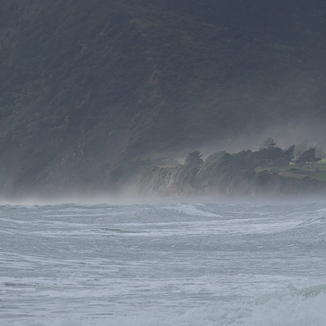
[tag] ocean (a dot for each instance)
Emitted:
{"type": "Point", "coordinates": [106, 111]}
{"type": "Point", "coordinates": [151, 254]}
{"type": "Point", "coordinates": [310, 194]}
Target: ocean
{"type": "Point", "coordinates": [165, 263]}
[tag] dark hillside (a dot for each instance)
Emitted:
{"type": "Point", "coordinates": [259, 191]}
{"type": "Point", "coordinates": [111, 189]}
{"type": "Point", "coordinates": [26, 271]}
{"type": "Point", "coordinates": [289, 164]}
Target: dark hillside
{"type": "Point", "coordinates": [89, 88]}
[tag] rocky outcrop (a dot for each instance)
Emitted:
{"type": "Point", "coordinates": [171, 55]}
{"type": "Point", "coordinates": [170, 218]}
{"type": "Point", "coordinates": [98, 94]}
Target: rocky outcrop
{"type": "Point", "coordinates": [215, 177]}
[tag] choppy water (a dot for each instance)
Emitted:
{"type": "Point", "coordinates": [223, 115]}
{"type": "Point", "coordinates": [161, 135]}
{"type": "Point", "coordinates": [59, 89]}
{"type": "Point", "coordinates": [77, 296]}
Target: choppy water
{"type": "Point", "coordinates": [164, 264]}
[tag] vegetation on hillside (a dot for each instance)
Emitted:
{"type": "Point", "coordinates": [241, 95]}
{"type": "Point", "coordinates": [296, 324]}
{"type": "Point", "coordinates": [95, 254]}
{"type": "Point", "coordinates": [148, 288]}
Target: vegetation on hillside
{"type": "Point", "coordinates": [89, 88]}
{"type": "Point", "coordinates": [269, 170]}
{"type": "Point", "coordinates": [226, 171]}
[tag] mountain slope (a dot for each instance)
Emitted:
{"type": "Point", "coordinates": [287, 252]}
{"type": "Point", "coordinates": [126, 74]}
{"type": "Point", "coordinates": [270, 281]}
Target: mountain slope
{"type": "Point", "coordinates": [90, 87]}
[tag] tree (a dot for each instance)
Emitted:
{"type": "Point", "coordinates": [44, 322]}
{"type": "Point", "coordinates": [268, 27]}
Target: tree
{"type": "Point", "coordinates": [194, 158]}
{"type": "Point", "coordinates": [268, 143]}
{"type": "Point", "coordinates": [308, 156]}
{"type": "Point", "coordinates": [274, 156]}
{"type": "Point", "coordinates": [288, 154]}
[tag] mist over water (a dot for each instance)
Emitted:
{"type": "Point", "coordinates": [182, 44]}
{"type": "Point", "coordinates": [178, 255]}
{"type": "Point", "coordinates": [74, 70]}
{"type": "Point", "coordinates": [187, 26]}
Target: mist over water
{"type": "Point", "coordinates": [191, 262]}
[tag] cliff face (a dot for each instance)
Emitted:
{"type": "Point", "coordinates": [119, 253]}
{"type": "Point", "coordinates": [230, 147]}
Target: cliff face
{"type": "Point", "coordinates": [205, 179]}
{"type": "Point", "coordinates": [164, 182]}
{"type": "Point", "coordinates": [90, 87]}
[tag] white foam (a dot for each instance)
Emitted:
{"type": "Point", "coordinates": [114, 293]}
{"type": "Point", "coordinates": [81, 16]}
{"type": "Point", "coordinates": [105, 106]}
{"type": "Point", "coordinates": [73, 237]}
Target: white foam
{"type": "Point", "coordinates": [162, 265]}
{"type": "Point", "coordinates": [193, 210]}
{"type": "Point", "coordinates": [290, 310]}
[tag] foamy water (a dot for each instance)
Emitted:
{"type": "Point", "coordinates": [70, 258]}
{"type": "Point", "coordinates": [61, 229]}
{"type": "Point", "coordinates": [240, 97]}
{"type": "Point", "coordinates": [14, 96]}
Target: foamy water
{"type": "Point", "coordinates": [163, 264]}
